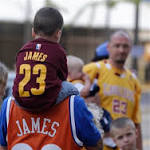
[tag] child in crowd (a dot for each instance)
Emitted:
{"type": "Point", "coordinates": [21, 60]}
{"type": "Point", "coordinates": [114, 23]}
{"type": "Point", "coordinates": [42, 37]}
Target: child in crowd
{"type": "Point", "coordinates": [75, 75]}
{"type": "Point", "coordinates": [3, 80]}
{"type": "Point", "coordinates": [41, 64]}
{"type": "Point", "coordinates": [87, 90]}
{"type": "Point", "coordinates": [124, 134]}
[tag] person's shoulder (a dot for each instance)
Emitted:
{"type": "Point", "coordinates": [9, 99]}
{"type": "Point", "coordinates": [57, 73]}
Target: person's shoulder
{"type": "Point", "coordinates": [58, 46]}
{"type": "Point", "coordinates": [79, 103]}
{"type": "Point", "coordinates": [102, 63]}
{"type": "Point", "coordinates": [55, 52]}
{"type": "Point", "coordinates": [27, 45]}
{"type": "Point", "coordinates": [132, 74]}
{"type": "Point", "coordinates": [133, 77]}
{"type": "Point", "coordinates": [91, 65]}
{"type": "Point", "coordinates": [79, 106]}
{"type": "Point", "coordinates": [59, 51]}
{"type": "Point", "coordinates": [78, 99]}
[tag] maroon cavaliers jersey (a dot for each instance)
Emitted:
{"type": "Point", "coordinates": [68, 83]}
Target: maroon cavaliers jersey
{"type": "Point", "coordinates": [41, 66]}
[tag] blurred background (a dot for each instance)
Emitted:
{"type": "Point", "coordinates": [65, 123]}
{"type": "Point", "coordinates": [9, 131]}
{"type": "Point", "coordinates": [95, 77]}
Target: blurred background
{"type": "Point", "coordinates": [88, 23]}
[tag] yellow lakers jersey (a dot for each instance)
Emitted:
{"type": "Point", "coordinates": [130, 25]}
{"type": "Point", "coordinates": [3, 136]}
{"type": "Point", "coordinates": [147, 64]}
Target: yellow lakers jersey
{"type": "Point", "coordinates": [119, 89]}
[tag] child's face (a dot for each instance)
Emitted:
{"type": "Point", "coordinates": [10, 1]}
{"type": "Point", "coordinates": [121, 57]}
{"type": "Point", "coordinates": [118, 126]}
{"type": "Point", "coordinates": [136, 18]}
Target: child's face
{"type": "Point", "coordinates": [125, 138]}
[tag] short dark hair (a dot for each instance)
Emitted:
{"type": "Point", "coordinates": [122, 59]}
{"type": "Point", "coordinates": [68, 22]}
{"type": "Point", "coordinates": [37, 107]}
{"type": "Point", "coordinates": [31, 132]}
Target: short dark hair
{"type": "Point", "coordinates": [47, 20]}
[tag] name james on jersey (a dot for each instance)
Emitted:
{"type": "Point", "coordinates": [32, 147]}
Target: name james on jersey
{"type": "Point", "coordinates": [37, 125]}
{"type": "Point", "coordinates": [36, 56]}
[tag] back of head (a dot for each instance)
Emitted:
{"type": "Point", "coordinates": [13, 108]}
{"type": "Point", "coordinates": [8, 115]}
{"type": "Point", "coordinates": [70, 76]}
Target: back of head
{"type": "Point", "coordinates": [121, 123]}
{"type": "Point", "coordinates": [74, 63]}
{"type": "Point", "coordinates": [47, 20]}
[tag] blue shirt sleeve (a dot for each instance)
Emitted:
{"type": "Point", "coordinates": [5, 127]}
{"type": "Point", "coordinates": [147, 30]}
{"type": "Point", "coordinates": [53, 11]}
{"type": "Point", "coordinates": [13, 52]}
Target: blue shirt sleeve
{"type": "Point", "coordinates": [3, 123]}
{"type": "Point", "coordinates": [85, 128]}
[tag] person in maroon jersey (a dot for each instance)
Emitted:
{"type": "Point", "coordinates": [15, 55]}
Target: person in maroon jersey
{"type": "Point", "coordinates": [41, 64]}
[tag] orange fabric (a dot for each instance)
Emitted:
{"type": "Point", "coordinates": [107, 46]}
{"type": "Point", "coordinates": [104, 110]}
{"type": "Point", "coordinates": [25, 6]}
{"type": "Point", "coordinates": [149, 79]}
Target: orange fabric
{"type": "Point", "coordinates": [39, 130]}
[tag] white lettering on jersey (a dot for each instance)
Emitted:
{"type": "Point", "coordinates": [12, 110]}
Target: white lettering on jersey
{"type": "Point", "coordinates": [47, 126]}
{"type": "Point", "coordinates": [44, 125]}
{"type": "Point", "coordinates": [35, 125]}
{"type": "Point", "coordinates": [25, 127]}
{"type": "Point", "coordinates": [53, 129]}
{"type": "Point", "coordinates": [110, 90]}
{"type": "Point", "coordinates": [19, 127]}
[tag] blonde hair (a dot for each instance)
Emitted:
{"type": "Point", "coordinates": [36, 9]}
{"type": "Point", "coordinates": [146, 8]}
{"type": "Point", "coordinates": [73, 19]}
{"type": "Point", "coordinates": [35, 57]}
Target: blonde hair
{"type": "Point", "coordinates": [74, 63]}
{"type": "Point", "coordinates": [3, 73]}
{"type": "Point", "coordinates": [121, 123]}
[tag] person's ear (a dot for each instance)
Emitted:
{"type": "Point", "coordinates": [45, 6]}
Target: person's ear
{"type": "Point", "coordinates": [33, 33]}
{"type": "Point", "coordinates": [58, 34]}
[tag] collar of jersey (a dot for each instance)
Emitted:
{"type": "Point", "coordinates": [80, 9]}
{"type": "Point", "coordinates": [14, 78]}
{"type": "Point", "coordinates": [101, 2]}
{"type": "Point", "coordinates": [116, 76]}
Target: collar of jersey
{"type": "Point", "coordinates": [115, 70]}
